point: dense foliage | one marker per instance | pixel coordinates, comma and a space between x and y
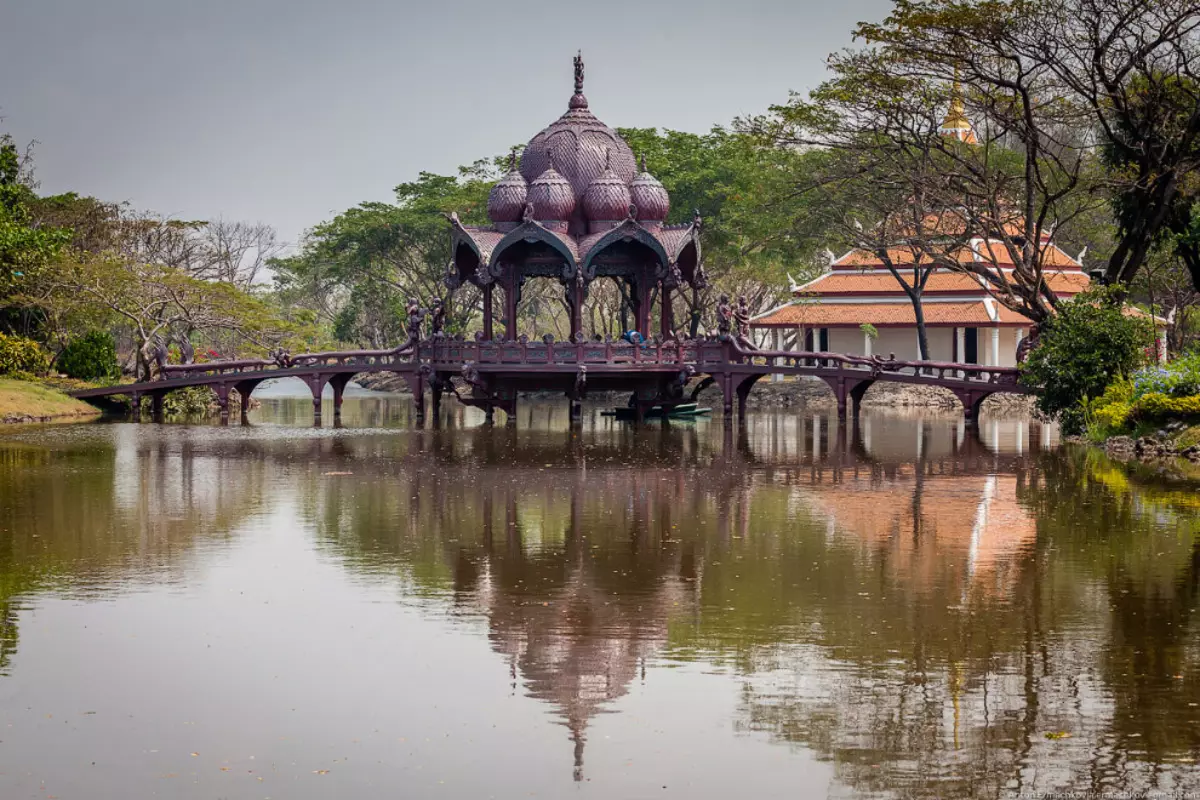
20, 356
1090, 343
91, 357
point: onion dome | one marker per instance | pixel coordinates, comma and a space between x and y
607, 197
581, 146
650, 196
507, 198
551, 196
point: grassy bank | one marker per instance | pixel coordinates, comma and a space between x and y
25, 401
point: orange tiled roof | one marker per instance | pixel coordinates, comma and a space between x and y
852, 282
832, 315
990, 252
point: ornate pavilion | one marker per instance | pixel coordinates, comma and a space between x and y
574, 209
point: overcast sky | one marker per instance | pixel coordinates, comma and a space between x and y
288, 111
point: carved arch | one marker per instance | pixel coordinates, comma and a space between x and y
533, 232
626, 230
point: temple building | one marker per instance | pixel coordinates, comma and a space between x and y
575, 209
963, 322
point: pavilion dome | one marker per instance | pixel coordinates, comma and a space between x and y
507, 198
606, 198
650, 196
551, 196
580, 147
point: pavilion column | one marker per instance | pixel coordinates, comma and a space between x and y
487, 311
510, 306
960, 346
642, 311
866, 344
995, 347
576, 294
776, 344
666, 325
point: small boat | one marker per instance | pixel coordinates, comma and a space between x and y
681, 411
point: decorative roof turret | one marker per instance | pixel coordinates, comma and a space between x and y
507, 198
552, 198
650, 196
606, 199
580, 146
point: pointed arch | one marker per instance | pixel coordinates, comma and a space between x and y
629, 230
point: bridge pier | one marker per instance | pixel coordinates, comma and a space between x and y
338, 382
222, 390
135, 406
156, 406
316, 384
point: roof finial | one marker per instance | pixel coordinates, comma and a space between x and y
578, 101
643, 161
512, 160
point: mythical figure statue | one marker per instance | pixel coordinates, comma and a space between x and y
416, 316
155, 352
724, 316
282, 358
1028, 344
741, 316
185, 348
437, 322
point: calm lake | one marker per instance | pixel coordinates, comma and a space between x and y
276, 611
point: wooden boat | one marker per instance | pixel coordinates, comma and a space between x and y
681, 411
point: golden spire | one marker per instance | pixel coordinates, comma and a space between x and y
956, 123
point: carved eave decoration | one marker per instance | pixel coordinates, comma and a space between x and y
628, 231
532, 232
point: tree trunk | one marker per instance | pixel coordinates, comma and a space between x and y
922, 334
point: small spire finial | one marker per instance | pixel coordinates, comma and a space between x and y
579, 72
512, 160
643, 161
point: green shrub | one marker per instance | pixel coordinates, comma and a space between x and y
1159, 406
90, 358
21, 355
193, 401
1082, 349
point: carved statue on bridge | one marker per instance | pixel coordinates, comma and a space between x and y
741, 315
416, 317
437, 318
282, 358
1028, 344
156, 353
724, 316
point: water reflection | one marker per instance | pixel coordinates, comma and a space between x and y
929, 611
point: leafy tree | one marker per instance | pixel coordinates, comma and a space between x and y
153, 301
1091, 341
24, 247
1120, 72
358, 270
761, 229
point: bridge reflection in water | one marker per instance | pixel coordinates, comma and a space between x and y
917, 611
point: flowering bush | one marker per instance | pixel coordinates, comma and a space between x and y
20, 356
1180, 378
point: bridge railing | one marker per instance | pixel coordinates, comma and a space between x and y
946, 370
550, 353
